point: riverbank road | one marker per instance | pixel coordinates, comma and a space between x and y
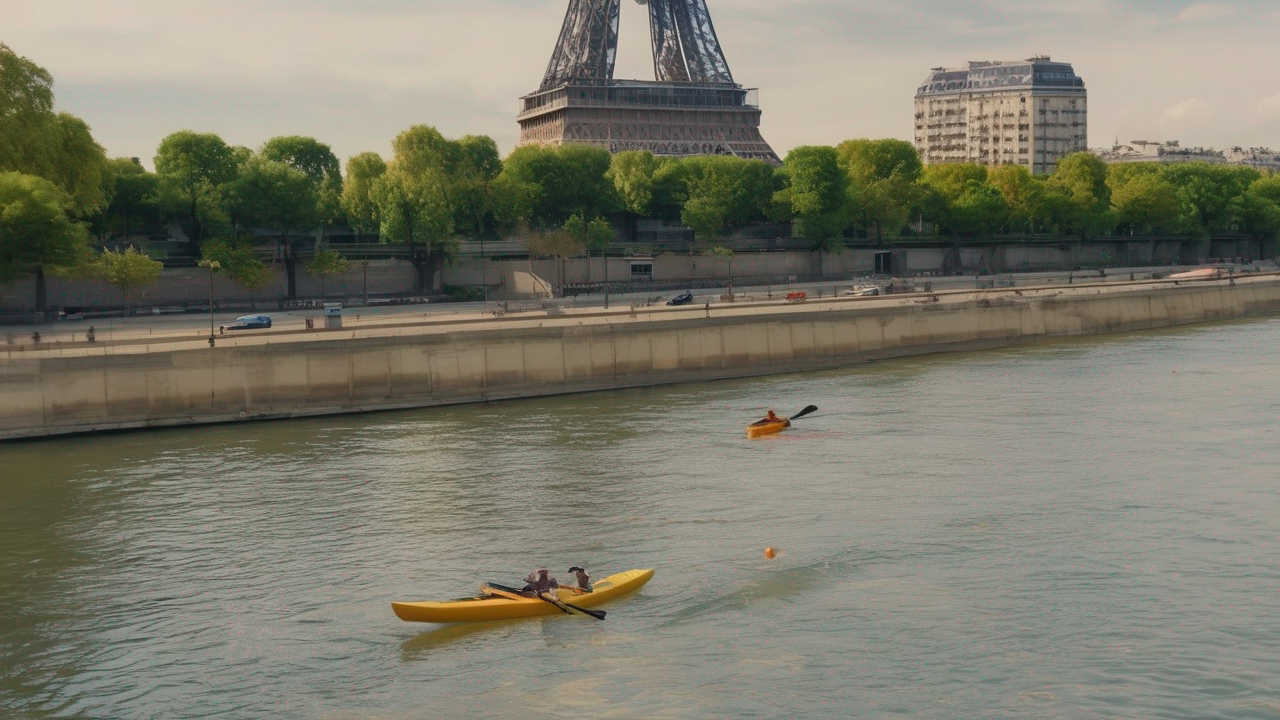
197, 326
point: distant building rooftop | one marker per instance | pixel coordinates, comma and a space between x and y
978, 75
1172, 151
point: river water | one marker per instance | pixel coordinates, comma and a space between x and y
1079, 529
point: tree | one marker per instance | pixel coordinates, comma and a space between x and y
275, 196
1258, 208
192, 167
883, 177
632, 174
36, 233
26, 107
543, 186
817, 194
1144, 201
127, 269
1082, 178
327, 262
36, 141
717, 194
134, 197
239, 260
317, 161
1206, 193
414, 210
476, 168
725, 253
363, 170
1022, 194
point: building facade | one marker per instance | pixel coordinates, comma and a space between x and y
1141, 151
1028, 112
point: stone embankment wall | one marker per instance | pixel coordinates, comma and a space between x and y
182, 286
278, 375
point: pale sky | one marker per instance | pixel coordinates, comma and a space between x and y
354, 73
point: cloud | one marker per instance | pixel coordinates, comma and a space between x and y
1202, 12
356, 72
1269, 108
1189, 111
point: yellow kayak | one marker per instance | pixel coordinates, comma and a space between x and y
479, 609
769, 428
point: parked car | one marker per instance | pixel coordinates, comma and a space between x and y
250, 322
683, 298
863, 290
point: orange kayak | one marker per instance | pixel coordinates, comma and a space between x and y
768, 428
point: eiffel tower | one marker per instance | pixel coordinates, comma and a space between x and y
693, 107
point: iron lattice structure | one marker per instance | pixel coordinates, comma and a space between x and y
693, 108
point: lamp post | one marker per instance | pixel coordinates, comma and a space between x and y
364, 265
211, 265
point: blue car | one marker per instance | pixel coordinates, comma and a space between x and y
250, 322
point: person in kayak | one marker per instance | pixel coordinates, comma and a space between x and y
769, 419
539, 582
584, 580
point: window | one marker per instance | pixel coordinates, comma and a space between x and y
642, 270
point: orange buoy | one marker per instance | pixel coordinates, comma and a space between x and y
769, 553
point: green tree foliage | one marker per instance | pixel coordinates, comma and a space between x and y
1143, 200
717, 194
36, 141
1258, 208
1082, 178
275, 196
135, 198
318, 162
126, 269
476, 169
980, 209
542, 186
723, 253
1206, 193
239, 260
817, 194
883, 182
36, 233
632, 174
358, 202
26, 106
192, 168
1022, 193
327, 262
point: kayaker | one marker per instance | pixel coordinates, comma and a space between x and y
769, 420
584, 580
539, 582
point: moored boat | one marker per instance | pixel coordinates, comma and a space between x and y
479, 609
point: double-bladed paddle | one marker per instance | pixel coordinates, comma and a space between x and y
514, 594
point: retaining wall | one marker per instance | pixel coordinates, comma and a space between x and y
91, 388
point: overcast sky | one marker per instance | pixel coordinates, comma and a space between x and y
353, 73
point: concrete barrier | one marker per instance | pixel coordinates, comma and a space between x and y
109, 386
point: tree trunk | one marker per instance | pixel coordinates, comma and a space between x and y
42, 299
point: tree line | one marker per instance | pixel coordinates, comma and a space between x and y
59, 190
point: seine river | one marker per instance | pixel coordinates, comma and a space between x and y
1081, 529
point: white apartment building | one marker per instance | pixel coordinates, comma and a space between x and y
1026, 112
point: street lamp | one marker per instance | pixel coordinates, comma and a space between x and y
212, 265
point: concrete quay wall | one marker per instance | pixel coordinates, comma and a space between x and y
328, 372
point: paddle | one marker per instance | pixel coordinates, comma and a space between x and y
802, 413
514, 594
